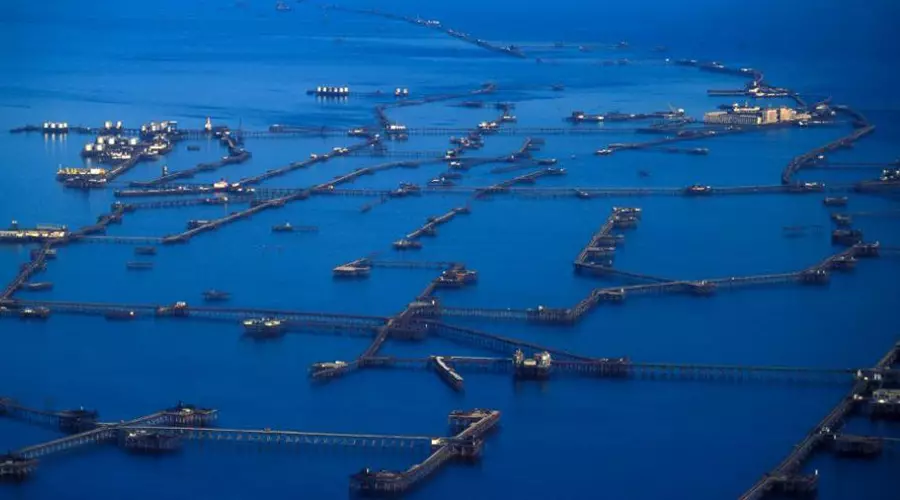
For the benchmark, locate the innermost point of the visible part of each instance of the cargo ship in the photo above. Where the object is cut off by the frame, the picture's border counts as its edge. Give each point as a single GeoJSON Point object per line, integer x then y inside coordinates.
{"type": "Point", "coordinates": [447, 373]}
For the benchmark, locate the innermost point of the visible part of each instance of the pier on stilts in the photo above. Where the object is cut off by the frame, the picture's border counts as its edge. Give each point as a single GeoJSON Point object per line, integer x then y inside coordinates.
{"type": "Point", "coordinates": [165, 431]}
{"type": "Point", "coordinates": [787, 477]}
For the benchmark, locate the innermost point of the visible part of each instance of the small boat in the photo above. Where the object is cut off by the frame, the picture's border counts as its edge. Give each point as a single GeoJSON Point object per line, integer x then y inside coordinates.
{"type": "Point", "coordinates": [283, 228]}
{"type": "Point", "coordinates": [139, 266]}
{"type": "Point", "coordinates": [193, 147]}
{"type": "Point", "coordinates": [120, 315]}
{"type": "Point", "coordinates": [145, 251]}
{"type": "Point", "coordinates": [38, 286]}
{"type": "Point", "coordinates": [442, 182]}
{"type": "Point", "coordinates": [327, 365]}
{"type": "Point", "coordinates": [547, 161]}
{"type": "Point", "coordinates": [558, 87]}
{"type": "Point", "coordinates": [48, 254]}
{"type": "Point", "coordinates": [835, 201]}
{"type": "Point", "coordinates": [216, 295]}
{"type": "Point", "coordinates": [643, 173]}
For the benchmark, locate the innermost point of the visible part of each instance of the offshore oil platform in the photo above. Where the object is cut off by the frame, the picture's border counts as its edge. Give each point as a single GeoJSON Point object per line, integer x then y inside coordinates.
{"type": "Point", "coordinates": [115, 149]}
{"type": "Point", "coordinates": [166, 431]}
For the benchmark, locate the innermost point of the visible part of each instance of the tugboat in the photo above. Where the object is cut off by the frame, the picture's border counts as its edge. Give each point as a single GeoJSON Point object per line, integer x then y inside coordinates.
{"type": "Point", "coordinates": [139, 266]}
{"type": "Point", "coordinates": [697, 189]}
{"type": "Point", "coordinates": [327, 365]}
{"type": "Point", "coordinates": [835, 201]}
{"type": "Point", "coordinates": [263, 327]}
{"type": "Point", "coordinates": [38, 286]}
{"type": "Point", "coordinates": [440, 182]}
{"type": "Point", "coordinates": [120, 315]}
{"type": "Point", "coordinates": [216, 296]}
{"type": "Point", "coordinates": [34, 313]}
{"type": "Point", "coordinates": [842, 220]}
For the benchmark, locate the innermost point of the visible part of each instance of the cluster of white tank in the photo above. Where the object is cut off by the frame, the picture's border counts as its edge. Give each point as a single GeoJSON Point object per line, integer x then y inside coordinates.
{"type": "Point", "coordinates": [108, 125]}
{"type": "Point", "coordinates": [108, 140]}
{"type": "Point", "coordinates": [56, 127]}
{"type": "Point", "coordinates": [161, 127]}
{"type": "Point", "coordinates": [333, 90]}
{"type": "Point", "coordinates": [401, 92]}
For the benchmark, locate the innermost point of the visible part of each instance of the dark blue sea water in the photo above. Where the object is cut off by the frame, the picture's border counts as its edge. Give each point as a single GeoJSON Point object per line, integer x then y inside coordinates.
{"type": "Point", "coordinates": [242, 63]}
